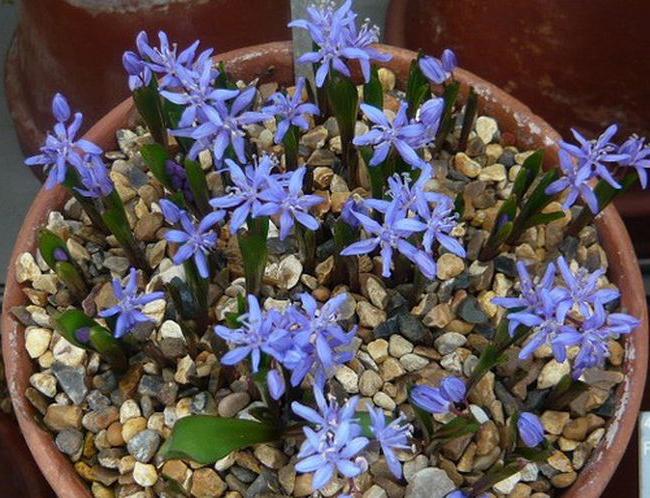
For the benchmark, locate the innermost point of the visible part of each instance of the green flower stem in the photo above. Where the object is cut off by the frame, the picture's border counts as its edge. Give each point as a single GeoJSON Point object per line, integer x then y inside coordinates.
{"type": "Point", "coordinates": [471, 108]}
{"type": "Point", "coordinates": [346, 268]}
{"type": "Point", "coordinates": [450, 95]}
{"type": "Point", "coordinates": [291, 143]}
{"type": "Point", "coordinates": [307, 244]}
{"type": "Point", "coordinates": [147, 101]}
{"type": "Point", "coordinates": [254, 251]}
{"type": "Point", "coordinates": [199, 287]}
{"type": "Point", "coordinates": [116, 220]}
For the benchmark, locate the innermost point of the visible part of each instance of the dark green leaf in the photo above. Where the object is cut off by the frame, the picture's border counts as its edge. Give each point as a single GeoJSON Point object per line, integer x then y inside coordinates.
{"type": "Point", "coordinates": [455, 428]}
{"type": "Point", "coordinates": [544, 218]}
{"type": "Point", "coordinates": [373, 93]}
{"type": "Point", "coordinates": [536, 455]}
{"type": "Point", "coordinates": [115, 219]}
{"type": "Point", "coordinates": [471, 108]}
{"type": "Point", "coordinates": [147, 101]}
{"type": "Point", "coordinates": [565, 392]}
{"type": "Point", "coordinates": [343, 100]}
{"type": "Point", "coordinates": [206, 439]}
{"type": "Point", "coordinates": [69, 322]}
{"type": "Point", "coordinates": [155, 157]}
{"type": "Point", "coordinates": [459, 205]}
{"type": "Point", "coordinates": [198, 185]}
{"type": "Point", "coordinates": [48, 244]}
{"type": "Point", "coordinates": [450, 95]}
{"type": "Point", "coordinates": [291, 143]}
{"type": "Point", "coordinates": [418, 89]}
{"type": "Point", "coordinates": [108, 347]}
{"type": "Point", "coordinates": [528, 173]}
{"type": "Point", "coordinates": [605, 193]}
{"type": "Point", "coordinates": [254, 250]}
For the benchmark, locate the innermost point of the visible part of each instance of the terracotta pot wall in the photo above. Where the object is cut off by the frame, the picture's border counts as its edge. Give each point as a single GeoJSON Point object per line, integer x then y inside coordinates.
{"type": "Point", "coordinates": [75, 47]}
{"type": "Point", "coordinates": [528, 130]}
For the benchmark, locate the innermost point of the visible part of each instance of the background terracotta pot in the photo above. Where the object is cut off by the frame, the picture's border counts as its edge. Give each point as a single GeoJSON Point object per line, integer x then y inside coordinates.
{"type": "Point", "coordinates": [274, 62]}
{"type": "Point", "coordinates": [569, 61]}
{"type": "Point", "coordinates": [75, 47]}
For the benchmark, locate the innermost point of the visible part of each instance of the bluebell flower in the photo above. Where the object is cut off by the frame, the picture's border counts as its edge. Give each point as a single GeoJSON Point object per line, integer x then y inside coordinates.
{"type": "Point", "coordinates": [384, 135]}
{"type": "Point", "coordinates": [138, 71]}
{"type": "Point", "coordinates": [290, 110]}
{"type": "Point", "coordinates": [243, 197]}
{"type": "Point", "coordinates": [576, 180]}
{"type": "Point", "coordinates": [335, 33]}
{"type": "Point", "coordinates": [350, 207]}
{"type": "Point", "coordinates": [258, 334]}
{"type": "Point", "coordinates": [335, 445]}
{"type": "Point", "coordinates": [596, 154]}
{"type": "Point", "coordinates": [319, 343]}
{"type": "Point", "coordinates": [439, 70]}
{"type": "Point", "coordinates": [439, 400]}
{"type": "Point", "coordinates": [197, 240]}
{"type": "Point", "coordinates": [179, 180]}
{"type": "Point", "coordinates": [223, 126]}
{"type": "Point", "coordinates": [197, 93]}
{"type": "Point", "coordinates": [170, 210]}
{"type": "Point", "coordinates": [593, 336]}
{"type": "Point", "coordinates": [530, 428]}
{"type": "Point", "coordinates": [391, 236]}
{"type": "Point", "coordinates": [581, 290]}
{"type": "Point", "coordinates": [430, 115]}
{"type": "Point", "coordinates": [289, 202]}
{"type": "Point", "coordinates": [276, 384]}
{"type": "Point", "coordinates": [440, 221]}
{"type": "Point", "coordinates": [390, 436]}
{"type": "Point", "coordinates": [408, 195]}
{"type": "Point", "coordinates": [129, 306]}
{"type": "Point", "coordinates": [60, 148]}
{"type": "Point", "coordinates": [638, 157]}
{"type": "Point", "coordinates": [94, 178]}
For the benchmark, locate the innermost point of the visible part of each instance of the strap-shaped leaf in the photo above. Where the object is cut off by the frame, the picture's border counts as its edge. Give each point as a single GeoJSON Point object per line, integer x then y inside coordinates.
{"type": "Point", "coordinates": [147, 101]}
{"type": "Point", "coordinates": [206, 439]}
{"type": "Point", "coordinates": [450, 95]}
{"type": "Point", "coordinates": [543, 218]}
{"type": "Point", "coordinates": [373, 93]}
{"type": "Point", "coordinates": [254, 250]}
{"type": "Point", "coordinates": [564, 392]}
{"type": "Point", "coordinates": [418, 89]}
{"type": "Point", "coordinates": [49, 244]}
{"type": "Point", "coordinates": [343, 100]}
{"type": "Point", "coordinates": [69, 322]}
{"type": "Point", "coordinates": [198, 185]}
{"type": "Point", "coordinates": [455, 428]}
{"type": "Point", "coordinates": [155, 157]}
{"type": "Point", "coordinates": [471, 109]}
{"type": "Point", "coordinates": [115, 219]}
{"type": "Point", "coordinates": [528, 173]}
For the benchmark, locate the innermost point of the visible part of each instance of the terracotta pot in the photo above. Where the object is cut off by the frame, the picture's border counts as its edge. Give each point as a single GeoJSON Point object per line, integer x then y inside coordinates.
{"type": "Point", "coordinates": [566, 60]}
{"type": "Point", "coordinates": [274, 62]}
{"type": "Point", "coordinates": [75, 47]}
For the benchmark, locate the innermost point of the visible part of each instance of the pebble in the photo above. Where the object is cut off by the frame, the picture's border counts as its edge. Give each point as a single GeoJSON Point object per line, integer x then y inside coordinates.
{"type": "Point", "coordinates": [378, 350]}
{"type": "Point", "coordinates": [72, 380]}
{"type": "Point", "coordinates": [369, 315]}
{"type": "Point", "coordinates": [506, 486]}
{"type": "Point", "coordinates": [26, 268]}
{"type": "Point", "coordinates": [289, 271]}
{"type": "Point", "coordinates": [132, 427]}
{"type": "Point", "coordinates": [387, 79]}
{"type": "Point", "coordinates": [68, 354]}
{"type": "Point", "coordinates": [431, 482]}
{"type": "Point", "coordinates": [44, 383]}
{"type": "Point", "coordinates": [383, 400]}
{"type": "Point", "coordinates": [143, 446]}
{"type": "Point", "coordinates": [398, 346]}
{"type": "Point", "coordinates": [233, 404]}
{"type": "Point", "coordinates": [412, 328]}
{"type": "Point", "coordinates": [552, 373]}
{"type": "Point", "coordinates": [369, 383]}
{"type": "Point", "coordinates": [493, 173]}
{"type": "Point", "coordinates": [376, 292]}
{"type": "Point", "coordinates": [449, 266]}
{"type": "Point", "coordinates": [59, 417]}
{"type": "Point", "coordinates": [413, 362]}
{"type": "Point", "coordinates": [129, 409]}
{"type": "Point", "coordinates": [171, 330]}
{"type": "Point", "coordinates": [144, 474]}
{"type": "Point", "coordinates": [391, 369]}
{"type": "Point", "coordinates": [470, 311]}
{"type": "Point", "coordinates": [554, 421]}
{"type": "Point", "coordinates": [486, 128]}
{"type": "Point", "coordinates": [412, 467]}
{"type": "Point", "coordinates": [464, 164]}
{"type": "Point", "coordinates": [375, 492]}
{"type": "Point", "coordinates": [97, 420]}
{"type": "Point", "coordinates": [348, 379]}
{"type": "Point", "coordinates": [269, 456]}
{"type": "Point", "coordinates": [69, 441]}
{"type": "Point", "coordinates": [439, 316]}
{"type": "Point", "coordinates": [449, 342]}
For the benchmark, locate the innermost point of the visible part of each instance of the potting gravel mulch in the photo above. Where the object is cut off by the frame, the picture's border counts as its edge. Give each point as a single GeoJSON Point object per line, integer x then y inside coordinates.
{"type": "Point", "coordinates": [111, 427]}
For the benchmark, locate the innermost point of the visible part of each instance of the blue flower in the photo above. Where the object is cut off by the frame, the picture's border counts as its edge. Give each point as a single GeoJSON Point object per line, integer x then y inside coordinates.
{"type": "Point", "coordinates": [94, 177]}
{"type": "Point", "coordinates": [243, 198]}
{"type": "Point", "coordinates": [329, 414]}
{"type": "Point", "coordinates": [130, 304]}
{"type": "Point", "coordinates": [223, 126]}
{"type": "Point", "coordinates": [138, 71]}
{"type": "Point", "coordinates": [258, 334]}
{"type": "Point", "coordinates": [289, 202]}
{"type": "Point", "coordinates": [430, 116]}
{"type": "Point", "coordinates": [337, 39]}
{"type": "Point", "coordinates": [576, 180]}
{"type": "Point", "coordinates": [638, 157]}
{"type": "Point", "coordinates": [440, 399]}
{"type": "Point", "coordinates": [384, 135]}
{"type": "Point", "coordinates": [391, 236]}
{"type": "Point", "coordinates": [60, 147]}
{"type": "Point", "coordinates": [436, 70]}
{"type": "Point", "coordinates": [582, 290]}
{"type": "Point", "coordinates": [291, 110]}
{"type": "Point", "coordinates": [531, 430]}
{"type": "Point", "coordinates": [197, 240]}
{"type": "Point", "coordinates": [440, 221]}
{"type": "Point", "coordinates": [392, 436]}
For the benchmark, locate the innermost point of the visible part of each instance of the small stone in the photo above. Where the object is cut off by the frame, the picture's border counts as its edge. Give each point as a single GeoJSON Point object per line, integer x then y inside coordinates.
{"type": "Point", "coordinates": [315, 138]}
{"type": "Point", "coordinates": [289, 271]}
{"type": "Point", "coordinates": [132, 427]}
{"type": "Point", "coordinates": [383, 400]}
{"type": "Point", "coordinates": [116, 264]}
{"type": "Point", "coordinates": [369, 383]}
{"type": "Point", "coordinates": [324, 270]}
{"type": "Point", "coordinates": [129, 410]}
{"type": "Point", "coordinates": [494, 173]}
{"type": "Point", "coordinates": [449, 342]}
{"type": "Point", "coordinates": [554, 421]}
{"type": "Point", "coordinates": [559, 461]}
{"type": "Point", "coordinates": [413, 362]}
{"type": "Point", "coordinates": [470, 311]}
{"type": "Point", "coordinates": [552, 373]}
{"type": "Point", "coordinates": [72, 380]}
{"type": "Point", "coordinates": [144, 474]}
{"type": "Point", "coordinates": [391, 369]}
{"type": "Point", "coordinates": [143, 446]}
{"type": "Point", "coordinates": [506, 486]}
{"type": "Point", "coordinates": [375, 492]}
{"type": "Point", "coordinates": [486, 128]}
{"type": "Point", "coordinates": [439, 316]}
{"type": "Point", "coordinates": [369, 316]}
{"type": "Point", "coordinates": [26, 268]}
{"type": "Point", "coordinates": [488, 439]}
{"type": "Point", "coordinates": [348, 379]}
{"type": "Point", "coordinates": [287, 477]}
{"type": "Point", "coordinates": [387, 80]}
{"type": "Point", "coordinates": [378, 350]}
{"type": "Point", "coordinates": [233, 404]}
{"type": "Point", "coordinates": [59, 417]}
{"type": "Point", "coordinates": [147, 226]}
{"type": "Point", "coordinates": [376, 292]}
{"type": "Point", "coordinates": [412, 467]}
{"type": "Point", "coordinates": [69, 441]}
{"type": "Point", "coordinates": [37, 340]}
{"type": "Point", "coordinates": [564, 480]}
{"type": "Point", "coordinates": [44, 383]}
{"type": "Point", "coordinates": [98, 420]}
{"type": "Point", "coordinates": [464, 164]}
{"type": "Point", "coordinates": [429, 483]}
{"type": "Point", "coordinates": [68, 354]}
{"type": "Point", "coordinates": [398, 346]}
{"type": "Point", "coordinates": [449, 266]}
{"type": "Point", "coordinates": [270, 456]}
{"type": "Point", "coordinates": [185, 369]}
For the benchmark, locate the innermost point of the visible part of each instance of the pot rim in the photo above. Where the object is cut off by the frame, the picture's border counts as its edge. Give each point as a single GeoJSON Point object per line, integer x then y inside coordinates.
{"type": "Point", "coordinates": [530, 131]}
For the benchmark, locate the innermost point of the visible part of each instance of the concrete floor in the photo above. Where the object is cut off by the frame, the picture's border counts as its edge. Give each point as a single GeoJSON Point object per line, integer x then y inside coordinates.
{"type": "Point", "coordinates": [17, 185]}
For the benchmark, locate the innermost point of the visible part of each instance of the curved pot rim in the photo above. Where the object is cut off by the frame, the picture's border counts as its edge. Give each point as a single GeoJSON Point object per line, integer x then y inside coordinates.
{"type": "Point", "coordinates": [529, 131]}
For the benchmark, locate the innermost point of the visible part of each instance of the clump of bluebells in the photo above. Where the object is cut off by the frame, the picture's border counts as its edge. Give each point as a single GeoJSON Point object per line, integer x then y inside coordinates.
{"type": "Point", "coordinates": [292, 353]}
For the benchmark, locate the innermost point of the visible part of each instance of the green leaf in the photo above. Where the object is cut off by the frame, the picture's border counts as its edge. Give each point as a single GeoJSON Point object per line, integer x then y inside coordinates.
{"type": "Point", "coordinates": [198, 185]}
{"type": "Point", "coordinates": [232, 317]}
{"type": "Point", "coordinates": [373, 93]}
{"type": "Point", "coordinates": [605, 193]}
{"type": "Point", "coordinates": [564, 392]}
{"type": "Point", "coordinates": [418, 89]}
{"type": "Point", "coordinates": [455, 428]}
{"type": "Point", "coordinates": [254, 251]}
{"type": "Point", "coordinates": [450, 95]}
{"type": "Point", "coordinates": [543, 218]}
{"type": "Point", "coordinates": [48, 244]}
{"type": "Point", "coordinates": [343, 100]}
{"type": "Point", "coordinates": [206, 439]}
{"type": "Point", "coordinates": [536, 455]}
{"type": "Point", "coordinates": [147, 101]}
{"type": "Point", "coordinates": [527, 174]}
{"type": "Point", "coordinates": [70, 322]}
{"type": "Point", "coordinates": [459, 205]}
{"type": "Point", "coordinates": [115, 219]}
{"type": "Point", "coordinates": [108, 347]}
{"type": "Point", "coordinates": [183, 298]}
{"type": "Point", "coordinates": [471, 108]}
{"type": "Point", "coordinates": [155, 157]}
{"type": "Point", "coordinates": [291, 144]}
